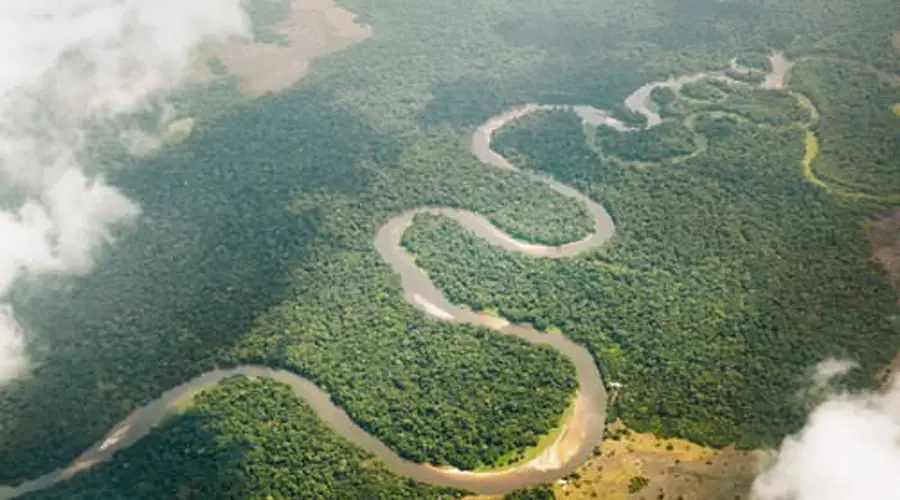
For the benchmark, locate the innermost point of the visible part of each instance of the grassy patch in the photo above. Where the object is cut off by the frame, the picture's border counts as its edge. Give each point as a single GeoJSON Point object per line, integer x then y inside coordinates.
{"type": "Point", "coordinates": [812, 150]}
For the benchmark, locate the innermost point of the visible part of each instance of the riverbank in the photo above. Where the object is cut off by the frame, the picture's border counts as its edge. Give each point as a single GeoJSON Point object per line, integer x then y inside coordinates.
{"type": "Point", "coordinates": [574, 441]}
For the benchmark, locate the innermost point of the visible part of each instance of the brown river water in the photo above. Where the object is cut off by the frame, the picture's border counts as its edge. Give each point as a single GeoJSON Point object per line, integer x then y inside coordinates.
{"type": "Point", "coordinates": [580, 432]}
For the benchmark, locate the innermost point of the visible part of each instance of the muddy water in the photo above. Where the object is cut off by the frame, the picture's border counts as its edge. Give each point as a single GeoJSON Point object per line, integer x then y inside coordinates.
{"type": "Point", "coordinates": [580, 432]}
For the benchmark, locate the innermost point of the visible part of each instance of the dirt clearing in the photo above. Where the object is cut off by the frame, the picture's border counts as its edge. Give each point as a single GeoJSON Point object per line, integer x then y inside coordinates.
{"type": "Point", "coordinates": [313, 29]}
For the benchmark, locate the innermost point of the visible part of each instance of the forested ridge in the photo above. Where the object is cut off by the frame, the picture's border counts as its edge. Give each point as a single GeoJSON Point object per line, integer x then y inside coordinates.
{"type": "Point", "coordinates": [730, 275]}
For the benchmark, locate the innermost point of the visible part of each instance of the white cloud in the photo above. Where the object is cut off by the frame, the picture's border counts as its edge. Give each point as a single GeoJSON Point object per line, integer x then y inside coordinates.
{"type": "Point", "coordinates": [64, 63]}
{"type": "Point", "coordinates": [826, 371]}
{"type": "Point", "coordinates": [848, 450]}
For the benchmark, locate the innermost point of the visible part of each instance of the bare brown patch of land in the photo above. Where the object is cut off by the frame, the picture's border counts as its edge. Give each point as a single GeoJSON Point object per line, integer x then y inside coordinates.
{"type": "Point", "coordinates": [885, 236]}
{"type": "Point", "coordinates": [313, 29]}
{"type": "Point", "coordinates": [632, 465]}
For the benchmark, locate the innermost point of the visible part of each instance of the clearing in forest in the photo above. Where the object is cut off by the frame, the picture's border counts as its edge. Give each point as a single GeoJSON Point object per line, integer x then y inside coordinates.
{"type": "Point", "coordinates": [632, 464]}
{"type": "Point", "coordinates": [313, 29]}
{"type": "Point", "coordinates": [885, 236]}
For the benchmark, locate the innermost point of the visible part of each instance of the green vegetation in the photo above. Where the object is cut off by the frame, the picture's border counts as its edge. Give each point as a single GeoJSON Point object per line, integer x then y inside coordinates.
{"type": "Point", "coordinates": [760, 106]}
{"type": "Point", "coordinates": [637, 483]}
{"type": "Point", "coordinates": [737, 274]}
{"type": "Point", "coordinates": [857, 130]}
{"type": "Point", "coordinates": [243, 439]}
{"type": "Point", "coordinates": [232, 244]}
{"type": "Point", "coordinates": [261, 222]}
{"type": "Point", "coordinates": [217, 66]}
{"type": "Point", "coordinates": [669, 139]}
{"type": "Point", "coordinates": [729, 276]}
{"type": "Point", "coordinates": [542, 492]}
{"type": "Point", "coordinates": [263, 14]}
{"type": "Point", "coordinates": [708, 90]}
{"type": "Point", "coordinates": [663, 96]}
{"type": "Point", "coordinates": [764, 107]}
{"type": "Point", "coordinates": [751, 77]}
{"type": "Point", "coordinates": [518, 456]}
{"type": "Point", "coordinates": [753, 62]}
{"type": "Point", "coordinates": [562, 220]}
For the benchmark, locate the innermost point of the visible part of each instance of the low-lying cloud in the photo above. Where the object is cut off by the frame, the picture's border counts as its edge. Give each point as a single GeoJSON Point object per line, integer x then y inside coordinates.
{"type": "Point", "coordinates": [848, 450]}
{"type": "Point", "coordinates": [65, 64]}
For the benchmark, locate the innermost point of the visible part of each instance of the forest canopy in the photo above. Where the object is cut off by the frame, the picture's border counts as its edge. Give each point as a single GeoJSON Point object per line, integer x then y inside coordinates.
{"type": "Point", "coordinates": [729, 276]}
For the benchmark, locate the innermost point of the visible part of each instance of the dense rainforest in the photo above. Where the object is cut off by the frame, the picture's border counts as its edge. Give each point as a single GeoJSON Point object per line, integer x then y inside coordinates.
{"type": "Point", "coordinates": [243, 439]}
{"type": "Point", "coordinates": [859, 134]}
{"type": "Point", "coordinates": [724, 266]}
{"type": "Point", "coordinates": [731, 274]}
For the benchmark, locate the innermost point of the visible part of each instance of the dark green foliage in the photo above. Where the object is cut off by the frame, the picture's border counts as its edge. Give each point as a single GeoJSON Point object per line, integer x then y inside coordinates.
{"type": "Point", "coordinates": [637, 483]}
{"type": "Point", "coordinates": [243, 439]}
{"type": "Point", "coordinates": [705, 90]}
{"type": "Point", "coordinates": [762, 106]}
{"type": "Point", "coordinates": [469, 101]}
{"type": "Point", "coordinates": [754, 62]}
{"type": "Point", "coordinates": [267, 210]}
{"type": "Point", "coordinates": [189, 281]}
{"type": "Point", "coordinates": [662, 96]}
{"type": "Point", "coordinates": [858, 132]}
{"type": "Point", "coordinates": [263, 15]}
{"type": "Point", "coordinates": [216, 66]}
{"type": "Point", "coordinates": [666, 102]}
{"type": "Point", "coordinates": [439, 386]}
{"type": "Point", "coordinates": [772, 108]}
{"type": "Point", "coordinates": [752, 77]}
{"type": "Point", "coordinates": [564, 221]}
{"type": "Point", "coordinates": [668, 140]}
{"type": "Point", "coordinates": [729, 277]}
{"type": "Point", "coordinates": [543, 492]}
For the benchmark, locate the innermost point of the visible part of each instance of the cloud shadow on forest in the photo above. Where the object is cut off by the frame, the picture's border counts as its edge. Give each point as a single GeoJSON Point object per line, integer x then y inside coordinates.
{"type": "Point", "coordinates": [211, 253]}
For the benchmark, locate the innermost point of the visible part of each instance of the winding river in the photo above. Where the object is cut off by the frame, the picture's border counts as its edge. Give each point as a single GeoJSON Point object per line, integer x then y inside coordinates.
{"type": "Point", "coordinates": [579, 433]}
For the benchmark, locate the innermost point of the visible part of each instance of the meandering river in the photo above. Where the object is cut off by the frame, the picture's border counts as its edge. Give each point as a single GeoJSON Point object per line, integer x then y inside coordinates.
{"type": "Point", "coordinates": [581, 431]}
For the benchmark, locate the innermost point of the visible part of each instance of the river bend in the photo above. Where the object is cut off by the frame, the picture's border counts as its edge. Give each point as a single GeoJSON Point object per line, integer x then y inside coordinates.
{"type": "Point", "coordinates": [580, 432]}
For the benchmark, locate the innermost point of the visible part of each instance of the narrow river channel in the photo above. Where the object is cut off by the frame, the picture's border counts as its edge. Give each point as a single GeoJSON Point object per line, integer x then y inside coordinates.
{"type": "Point", "coordinates": [580, 432]}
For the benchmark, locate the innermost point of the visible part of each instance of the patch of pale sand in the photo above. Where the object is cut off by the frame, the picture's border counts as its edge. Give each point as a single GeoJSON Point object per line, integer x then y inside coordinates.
{"type": "Point", "coordinates": [568, 442]}
{"type": "Point", "coordinates": [778, 77]}
{"type": "Point", "coordinates": [494, 322]}
{"type": "Point", "coordinates": [553, 457]}
{"type": "Point", "coordinates": [115, 437]}
{"type": "Point", "coordinates": [82, 464]}
{"type": "Point", "coordinates": [432, 309]}
{"type": "Point", "coordinates": [76, 467]}
{"type": "Point", "coordinates": [313, 29]}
